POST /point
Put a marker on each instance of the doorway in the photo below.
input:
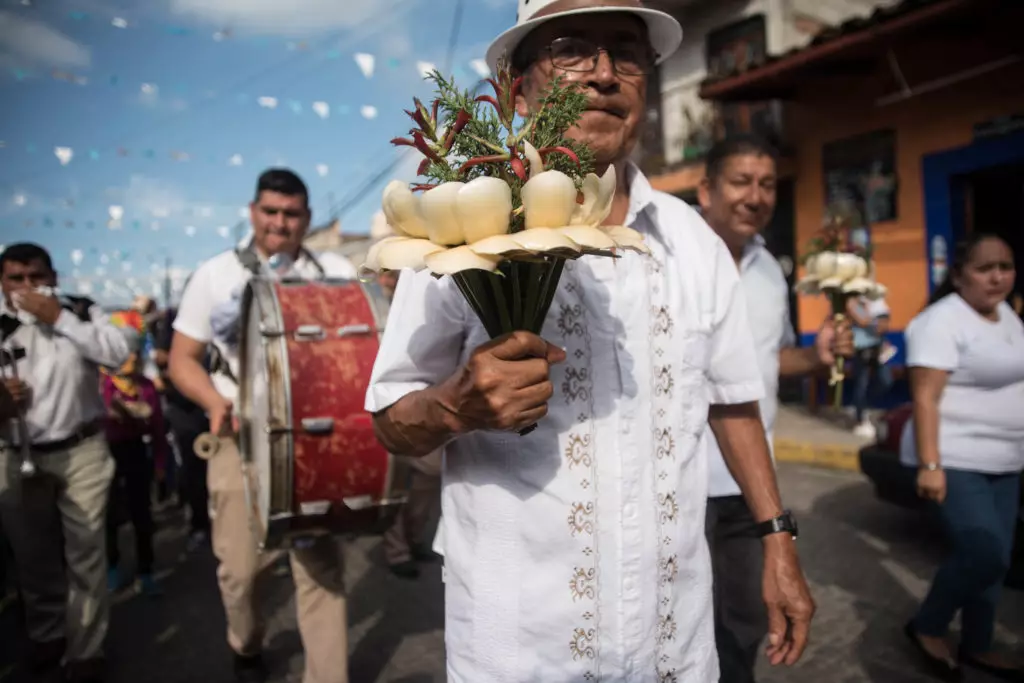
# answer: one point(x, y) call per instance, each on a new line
point(993, 202)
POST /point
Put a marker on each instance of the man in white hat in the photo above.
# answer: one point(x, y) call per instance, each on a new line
point(577, 552)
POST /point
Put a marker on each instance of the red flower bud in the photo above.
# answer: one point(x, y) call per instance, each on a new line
point(518, 167)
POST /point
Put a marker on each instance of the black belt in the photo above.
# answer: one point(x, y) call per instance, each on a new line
point(86, 431)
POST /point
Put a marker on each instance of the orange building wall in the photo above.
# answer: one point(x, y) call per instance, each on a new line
point(932, 122)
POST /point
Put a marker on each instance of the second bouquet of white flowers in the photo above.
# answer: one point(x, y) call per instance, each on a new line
point(504, 205)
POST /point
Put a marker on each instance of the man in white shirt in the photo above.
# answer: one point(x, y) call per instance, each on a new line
point(56, 515)
point(208, 317)
point(737, 198)
point(577, 552)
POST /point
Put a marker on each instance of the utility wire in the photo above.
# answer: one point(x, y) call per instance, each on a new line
point(354, 198)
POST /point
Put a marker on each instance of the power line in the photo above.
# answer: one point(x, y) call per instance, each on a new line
point(358, 195)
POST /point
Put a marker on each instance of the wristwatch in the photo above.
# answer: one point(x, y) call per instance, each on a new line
point(785, 522)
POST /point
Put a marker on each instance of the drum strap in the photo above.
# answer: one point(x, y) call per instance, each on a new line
point(250, 260)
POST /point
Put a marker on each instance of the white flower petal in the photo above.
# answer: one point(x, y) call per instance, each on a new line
point(627, 238)
point(847, 266)
point(533, 156)
point(403, 210)
point(858, 285)
point(483, 208)
point(593, 240)
point(549, 199)
point(405, 252)
point(498, 245)
point(810, 265)
point(451, 261)
point(545, 240)
point(830, 283)
point(438, 208)
point(808, 285)
point(825, 264)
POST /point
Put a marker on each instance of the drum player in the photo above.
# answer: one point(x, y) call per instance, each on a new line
point(208, 317)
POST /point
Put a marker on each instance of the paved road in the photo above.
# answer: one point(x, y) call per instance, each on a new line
point(868, 562)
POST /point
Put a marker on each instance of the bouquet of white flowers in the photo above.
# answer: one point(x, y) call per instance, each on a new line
point(506, 202)
point(839, 269)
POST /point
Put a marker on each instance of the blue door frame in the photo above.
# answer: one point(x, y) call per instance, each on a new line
point(943, 201)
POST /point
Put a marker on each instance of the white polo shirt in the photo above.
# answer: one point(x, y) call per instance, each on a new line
point(767, 293)
point(217, 282)
point(981, 412)
point(577, 553)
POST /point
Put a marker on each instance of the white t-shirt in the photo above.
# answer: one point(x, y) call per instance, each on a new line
point(981, 412)
point(216, 281)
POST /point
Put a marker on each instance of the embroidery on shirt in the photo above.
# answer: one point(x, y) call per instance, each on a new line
point(577, 389)
point(663, 432)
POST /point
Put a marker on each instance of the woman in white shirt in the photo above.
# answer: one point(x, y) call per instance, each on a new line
point(966, 358)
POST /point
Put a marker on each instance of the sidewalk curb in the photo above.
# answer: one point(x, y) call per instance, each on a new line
point(829, 456)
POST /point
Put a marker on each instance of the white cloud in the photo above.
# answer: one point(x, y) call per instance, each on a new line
point(29, 43)
point(273, 17)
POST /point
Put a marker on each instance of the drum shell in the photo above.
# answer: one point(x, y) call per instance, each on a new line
point(328, 472)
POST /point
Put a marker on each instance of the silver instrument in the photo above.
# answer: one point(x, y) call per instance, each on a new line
point(28, 465)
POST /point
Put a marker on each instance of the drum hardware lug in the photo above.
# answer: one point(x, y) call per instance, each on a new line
point(310, 333)
point(275, 429)
point(318, 425)
point(315, 508)
point(266, 331)
point(352, 330)
point(357, 503)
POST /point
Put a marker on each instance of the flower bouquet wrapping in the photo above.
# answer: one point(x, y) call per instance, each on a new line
point(839, 269)
point(503, 203)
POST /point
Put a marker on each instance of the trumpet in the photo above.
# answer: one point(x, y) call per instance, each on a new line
point(28, 465)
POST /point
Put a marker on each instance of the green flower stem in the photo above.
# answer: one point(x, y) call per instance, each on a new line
point(471, 291)
point(548, 289)
point(534, 273)
point(517, 295)
point(501, 304)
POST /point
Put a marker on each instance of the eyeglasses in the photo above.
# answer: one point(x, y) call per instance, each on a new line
point(576, 54)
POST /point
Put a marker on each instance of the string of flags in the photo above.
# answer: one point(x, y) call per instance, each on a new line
point(121, 22)
point(66, 155)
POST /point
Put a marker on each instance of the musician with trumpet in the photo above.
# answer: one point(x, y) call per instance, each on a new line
point(55, 469)
point(208, 319)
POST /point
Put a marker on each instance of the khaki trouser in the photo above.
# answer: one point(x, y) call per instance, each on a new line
point(57, 517)
point(318, 572)
point(423, 499)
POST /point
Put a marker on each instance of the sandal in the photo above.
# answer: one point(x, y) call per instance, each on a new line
point(944, 670)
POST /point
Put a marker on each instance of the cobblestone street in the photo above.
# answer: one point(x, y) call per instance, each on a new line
point(868, 562)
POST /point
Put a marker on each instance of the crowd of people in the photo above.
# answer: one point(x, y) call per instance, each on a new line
point(638, 534)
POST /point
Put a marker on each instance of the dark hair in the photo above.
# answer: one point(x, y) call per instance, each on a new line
point(283, 181)
point(962, 253)
point(25, 253)
point(734, 146)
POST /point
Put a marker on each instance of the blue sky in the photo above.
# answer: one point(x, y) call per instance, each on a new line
point(166, 111)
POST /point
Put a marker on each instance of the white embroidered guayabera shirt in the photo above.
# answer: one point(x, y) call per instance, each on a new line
point(577, 553)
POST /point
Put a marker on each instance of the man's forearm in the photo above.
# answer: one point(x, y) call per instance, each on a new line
point(741, 439)
point(796, 362)
point(417, 424)
point(193, 381)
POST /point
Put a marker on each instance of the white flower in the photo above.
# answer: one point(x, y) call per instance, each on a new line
point(549, 199)
point(483, 208)
point(438, 207)
point(402, 209)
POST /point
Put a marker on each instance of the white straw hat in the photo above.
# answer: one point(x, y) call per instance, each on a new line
point(664, 31)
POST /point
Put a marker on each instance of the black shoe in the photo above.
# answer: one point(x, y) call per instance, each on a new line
point(938, 668)
point(406, 570)
point(250, 669)
point(1011, 675)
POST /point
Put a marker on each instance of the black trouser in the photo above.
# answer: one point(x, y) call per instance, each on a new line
point(186, 427)
point(737, 563)
point(131, 486)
